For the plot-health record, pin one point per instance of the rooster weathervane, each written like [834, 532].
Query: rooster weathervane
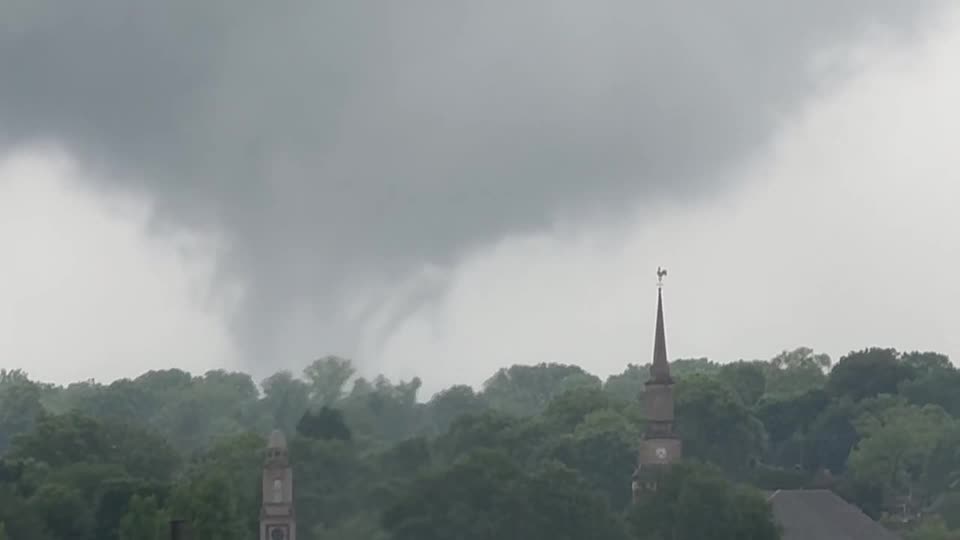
[661, 273]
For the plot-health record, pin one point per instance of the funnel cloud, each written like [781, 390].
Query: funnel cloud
[342, 147]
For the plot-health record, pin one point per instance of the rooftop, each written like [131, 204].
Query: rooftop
[819, 514]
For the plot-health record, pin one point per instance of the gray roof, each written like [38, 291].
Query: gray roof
[819, 514]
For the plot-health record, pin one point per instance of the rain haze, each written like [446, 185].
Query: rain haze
[442, 189]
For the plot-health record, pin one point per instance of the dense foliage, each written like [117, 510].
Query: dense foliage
[542, 451]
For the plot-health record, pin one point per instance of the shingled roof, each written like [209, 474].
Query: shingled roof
[819, 514]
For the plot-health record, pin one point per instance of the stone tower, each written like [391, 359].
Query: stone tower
[660, 446]
[277, 518]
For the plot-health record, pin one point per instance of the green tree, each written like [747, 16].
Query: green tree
[685, 367]
[942, 471]
[144, 520]
[65, 510]
[383, 410]
[72, 438]
[948, 506]
[628, 385]
[797, 371]
[326, 378]
[715, 424]
[526, 390]
[747, 379]
[831, 437]
[211, 503]
[219, 403]
[787, 419]
[522, 439]
[928, 363]
[897, 444]
[122, 401]
[869, 373]
[285, 399]
[238, 459]
[332, 479]
[114, 495]
[568, 409]
[452, 403]
[60, 440]
[20, 519]
[20, 405]
[230, 397]
[405, 459]
[932, 528]
[564, 507]
[326, 423]
[937, 386]
[695, 502]
[602, 449]
[488, 496]
[358, 527]
[473, 499]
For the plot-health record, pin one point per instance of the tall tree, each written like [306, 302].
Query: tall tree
[569, 409]
[20, 405]
[928, 363]
[831, 437]
[239, 459]
[211, 503]
[20, 519]
[936, 386]
[626, 386]
[383, 410]
[489, 496]
[602, 449]
[327, 378]
[869, 373]
[797, 371]
[685, 367]
[747, 379]
[452, 403]
[715, 424]
[333, 480]
[526, 390]
[897, 444]
[285, 399]
[65, 510]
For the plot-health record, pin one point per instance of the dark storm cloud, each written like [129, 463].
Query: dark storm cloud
[335, 141]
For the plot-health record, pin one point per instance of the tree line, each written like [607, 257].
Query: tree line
[539, 451]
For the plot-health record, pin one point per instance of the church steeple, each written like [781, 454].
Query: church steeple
[660, 446]
[660, 369]
[277, 517]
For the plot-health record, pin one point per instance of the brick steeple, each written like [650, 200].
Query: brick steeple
[277, 517]
[660, 446]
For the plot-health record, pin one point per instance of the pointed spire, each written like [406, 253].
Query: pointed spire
[660, 369]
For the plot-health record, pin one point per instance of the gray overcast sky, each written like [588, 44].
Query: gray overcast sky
[443, 188]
